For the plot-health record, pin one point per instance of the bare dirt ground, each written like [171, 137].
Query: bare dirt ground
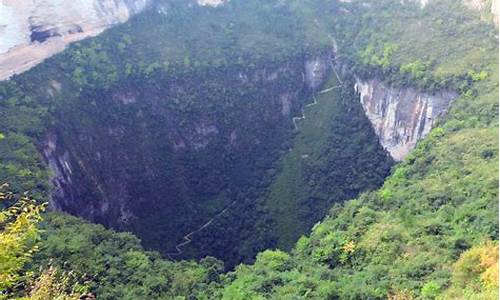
[25, 57]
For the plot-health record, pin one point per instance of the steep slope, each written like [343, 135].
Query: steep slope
[157, 140]
[178, 162]
[149, 130]
[427, 233]
[333, 158]
[409, 239]
[32, 31]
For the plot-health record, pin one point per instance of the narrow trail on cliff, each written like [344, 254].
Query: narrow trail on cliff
[188, 237]
[336, 74]
[315, 101]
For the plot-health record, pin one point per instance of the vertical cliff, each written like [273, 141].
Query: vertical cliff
[176, 110]
[401, 116]
[178, 147]
[31, 31]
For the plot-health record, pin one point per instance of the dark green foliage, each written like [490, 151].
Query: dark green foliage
[187, 186]
[21, 120]
[182, 68]
[116, 266]
[401, 241]
[335, 156]
[144, 114]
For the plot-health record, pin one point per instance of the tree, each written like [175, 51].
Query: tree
[475, 274]
[58, 285]
[18, 238]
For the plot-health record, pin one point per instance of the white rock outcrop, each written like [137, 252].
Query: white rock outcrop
[401, 116]
[495, 11]
[315, 71]
[32, 30]
[213, 3]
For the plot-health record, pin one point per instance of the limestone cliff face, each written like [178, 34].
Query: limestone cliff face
[315, 71]
[495, 11]
[211, 2]
[401, 116]
[32, 30]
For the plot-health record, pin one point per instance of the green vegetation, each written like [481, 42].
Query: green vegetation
[430, 232]
[183, 71]
[242, 35]
[475, 274]
[65, 258]
[21, 118]
[334, 157]
[172, 116]
[115, 266]
[18, 236]
[432, 48]
[369, 56]
[407, 240]
[19, 242]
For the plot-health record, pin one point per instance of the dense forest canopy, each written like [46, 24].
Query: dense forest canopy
[143, 116]
[272, 154]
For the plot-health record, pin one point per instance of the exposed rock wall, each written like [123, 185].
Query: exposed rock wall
[495, 11]
[32, 30]
[401, 116]
[211, 2]
[315, 71]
